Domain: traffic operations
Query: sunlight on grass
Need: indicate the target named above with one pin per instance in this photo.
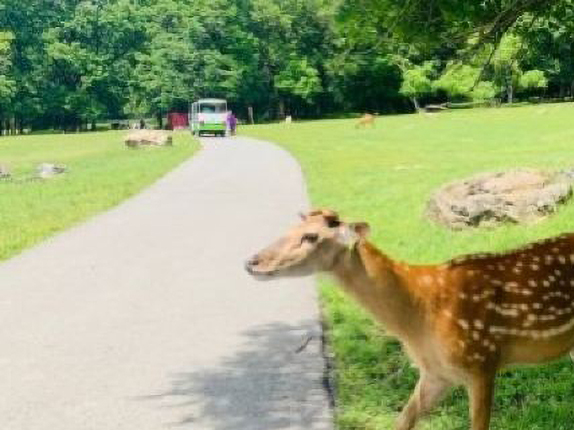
(102, 173)
(385, 176)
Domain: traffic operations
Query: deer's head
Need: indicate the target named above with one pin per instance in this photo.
(312, 246)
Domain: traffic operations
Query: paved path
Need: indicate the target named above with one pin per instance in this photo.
(143, 318)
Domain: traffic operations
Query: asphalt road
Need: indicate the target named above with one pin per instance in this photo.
(142, 318)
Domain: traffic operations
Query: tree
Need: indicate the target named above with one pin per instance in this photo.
(507, 70)
(299, 80)
(6, 80)
(435, 23)
(417, 82)
(483, 91)
(458, 81)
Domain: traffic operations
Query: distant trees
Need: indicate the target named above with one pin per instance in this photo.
(69, 63)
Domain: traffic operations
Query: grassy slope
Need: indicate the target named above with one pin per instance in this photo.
(384, 176)
(102, 173)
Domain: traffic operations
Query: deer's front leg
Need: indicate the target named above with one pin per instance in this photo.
(481, 392)
(572, 355)
(428, 392)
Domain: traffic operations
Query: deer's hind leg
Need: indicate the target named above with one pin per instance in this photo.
(572, 354)
(428, 392)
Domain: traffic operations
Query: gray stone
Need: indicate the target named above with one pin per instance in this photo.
(491, 199)
(4, 172)
(139, 138)
(49, 170)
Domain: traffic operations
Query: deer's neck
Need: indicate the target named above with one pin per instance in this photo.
(377, 283)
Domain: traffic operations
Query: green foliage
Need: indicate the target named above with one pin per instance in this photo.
(484, 91)
(458, 81)
(300, 79)
(385, 176)
(69, 63)
(433, 24)
(417, 80)
(6, 83)
(533, 79)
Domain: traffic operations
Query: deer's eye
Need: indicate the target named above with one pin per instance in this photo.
(334, 223)
(310, 237)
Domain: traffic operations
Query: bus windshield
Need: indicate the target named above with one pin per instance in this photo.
(212, 108)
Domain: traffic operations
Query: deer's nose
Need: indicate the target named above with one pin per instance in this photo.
(251, 263)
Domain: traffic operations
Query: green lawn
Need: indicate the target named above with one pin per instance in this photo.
(384, 176)
(102, 173)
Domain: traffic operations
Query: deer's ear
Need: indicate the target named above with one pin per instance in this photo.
(361, 229)
(350, 234)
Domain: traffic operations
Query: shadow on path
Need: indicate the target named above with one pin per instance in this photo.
(275, 381)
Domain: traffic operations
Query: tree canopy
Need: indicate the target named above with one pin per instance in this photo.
(69, 63)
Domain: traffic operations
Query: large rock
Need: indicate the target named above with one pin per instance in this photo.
(4, 172)
(48, 170)
(139, 138)
(490, 199)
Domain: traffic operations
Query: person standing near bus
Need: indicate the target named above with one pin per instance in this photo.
(231, 123)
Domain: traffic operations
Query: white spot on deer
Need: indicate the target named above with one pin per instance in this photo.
(463, 324)
(527, 292)
(535, 267)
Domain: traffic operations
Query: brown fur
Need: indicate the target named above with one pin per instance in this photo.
(460, 321)
(366, 119)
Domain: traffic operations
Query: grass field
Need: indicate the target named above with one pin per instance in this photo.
(384, 176)
(102, 173)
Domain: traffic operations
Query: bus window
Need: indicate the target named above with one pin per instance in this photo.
(212, 108)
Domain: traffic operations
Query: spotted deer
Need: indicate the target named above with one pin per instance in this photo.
(367, 119)
(459, 322)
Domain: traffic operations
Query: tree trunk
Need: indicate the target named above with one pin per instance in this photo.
(281, 109)
(416, 103)
(510, 93)
(250, 114)
(159, 120)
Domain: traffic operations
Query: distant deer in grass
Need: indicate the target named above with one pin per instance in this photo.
(366, 119)
(460, 321)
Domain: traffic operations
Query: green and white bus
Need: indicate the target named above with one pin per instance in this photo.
(208, 116)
